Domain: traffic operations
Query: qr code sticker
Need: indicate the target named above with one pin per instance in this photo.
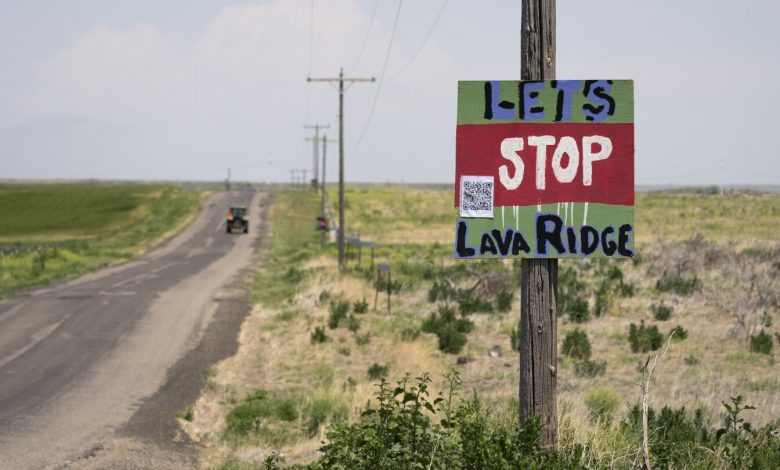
(476, 196)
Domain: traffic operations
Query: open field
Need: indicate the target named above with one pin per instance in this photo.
(708, 267)
(49, 231)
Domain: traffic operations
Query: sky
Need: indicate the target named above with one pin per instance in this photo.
(161, 89)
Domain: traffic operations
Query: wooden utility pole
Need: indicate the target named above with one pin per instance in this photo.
(324, 163)
(539, 277)
(316, 147)
(341, 79)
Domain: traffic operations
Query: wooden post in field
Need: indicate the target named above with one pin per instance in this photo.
(539, 277)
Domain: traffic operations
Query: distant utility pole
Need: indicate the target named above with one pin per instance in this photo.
(324, 163)
(227, 181)
(539, 277)
(341, 79)
(316, 145)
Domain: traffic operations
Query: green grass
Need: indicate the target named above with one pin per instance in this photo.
(280, 417)
(293, 241)
(52, 231)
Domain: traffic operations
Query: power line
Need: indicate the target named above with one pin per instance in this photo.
(427, 36)
(381, 77)
(311, 35)
(365, 39)
(311, 57)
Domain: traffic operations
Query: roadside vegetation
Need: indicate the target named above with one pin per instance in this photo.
(51, 231)
(433, 383)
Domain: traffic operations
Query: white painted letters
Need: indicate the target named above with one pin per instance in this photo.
(588, 156)
(566, 146)
(509, 149)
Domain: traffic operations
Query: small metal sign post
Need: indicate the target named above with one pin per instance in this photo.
(383, 268)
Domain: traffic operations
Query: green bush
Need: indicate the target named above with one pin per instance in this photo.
(761, 343)
(360, 306)
(407, 429)
(614, 274)
(362, 340)
(576, 345)
(578, 311)
(243, 419)
(602, 403)
(378, 371)
(680, 333)
(318, 335)
(468, 304)
(677, 439)
(504, 301)
(603, 300)
(451, 331)
(644, 338)
(677, 284)
(626, 289)
(570, 289)
(353, 323)
(590, 368)
(442, 291)
(690, 360)
(338, 312)
(661, 312)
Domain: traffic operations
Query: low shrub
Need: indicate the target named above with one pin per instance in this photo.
(504, 301)
(318, 335)
(679, 333)
(570, 289)
(362, 340)
(468, 304)
(338, 312)
(661, 312)
(353, 323)
(761, 343)
(677, 438)
(603, 300)
(409, 429)
(690, 360)
(677, 284)
(244, 418)
(442, 291)
(590, 368)
(626, 289)
(576, 345)
(360, 306)
(578, 311)
(378, 371)
(644, 338)
(450, 330)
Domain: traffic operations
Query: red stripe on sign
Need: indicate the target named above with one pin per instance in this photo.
(576, 162)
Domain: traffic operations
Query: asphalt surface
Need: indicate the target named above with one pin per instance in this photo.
(92, 370)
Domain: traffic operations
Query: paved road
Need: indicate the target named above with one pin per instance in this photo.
(77, 359)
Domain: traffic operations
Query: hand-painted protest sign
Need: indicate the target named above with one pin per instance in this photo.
(545, 169)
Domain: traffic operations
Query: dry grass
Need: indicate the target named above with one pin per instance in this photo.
(276, 352)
